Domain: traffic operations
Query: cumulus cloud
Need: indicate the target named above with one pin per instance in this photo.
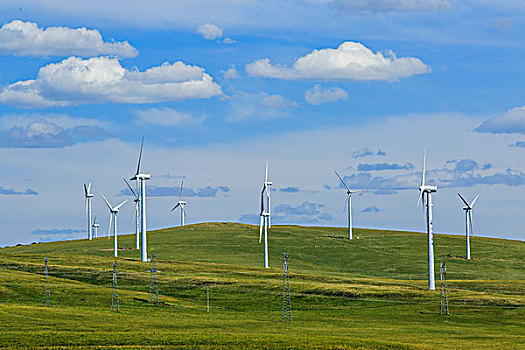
(319, 95)
(167, 117)
(260, 105)
(384, 166)
(366, 152)
(372, 209)
(518, 144)
(304, 213)
(349, 62)
(231, 73)
(454, 173)
(289, 189)
(510, 122)
(41, 133)
(229, 41)
(174, 191)
(27, 39)
(76, 81)
(57, 234)
(209, 31)
(390, 5)
(11, 192)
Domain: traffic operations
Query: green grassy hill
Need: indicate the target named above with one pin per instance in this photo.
(369, 293)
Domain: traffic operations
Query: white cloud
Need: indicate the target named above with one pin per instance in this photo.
(260, 105)
(167, 117)
(231, 73)
(512, 121)
(229, 41)
(391, 5)
(75, 81)
(350, 61)
(277, 101)
(27, 39)
(319, 95)
(209, 31)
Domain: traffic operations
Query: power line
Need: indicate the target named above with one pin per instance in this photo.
(153, 287)
(46, 295)
(287, 302)
(114, 292)
(443, 299)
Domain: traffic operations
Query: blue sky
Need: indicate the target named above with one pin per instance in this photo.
(216, 87)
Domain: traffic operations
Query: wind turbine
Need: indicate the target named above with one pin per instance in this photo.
(136, 215)
(141, 184)
(265, 215)
(181, 204)
(468, 221)
(349, 204)
(95, 227)
(113, 212)
(88, 195)
(426, 195)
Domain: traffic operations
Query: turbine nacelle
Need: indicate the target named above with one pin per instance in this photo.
(426, 188)
(141, 177)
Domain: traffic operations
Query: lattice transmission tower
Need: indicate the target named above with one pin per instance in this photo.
(115, 305)
(46, 295)
(443, 299)
(153, 287)
(287, 302)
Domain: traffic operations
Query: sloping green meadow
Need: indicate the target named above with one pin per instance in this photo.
(369, 293)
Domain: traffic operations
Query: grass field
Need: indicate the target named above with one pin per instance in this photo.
(369, 293)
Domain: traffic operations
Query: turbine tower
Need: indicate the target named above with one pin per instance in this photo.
(468, 221)
(136, 215)
(95, 227)
(181, 204)
(349, 204)
(265, 215)
(88, 195)
(141, 181)
(113, 212)
(426, 195)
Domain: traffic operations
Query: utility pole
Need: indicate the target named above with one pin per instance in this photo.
(114, 292)
(443, 299)
(287, 302)
(46, 296)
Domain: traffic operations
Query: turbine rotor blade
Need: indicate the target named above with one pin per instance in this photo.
(424, 164)
(121, 204)
(105, 200)
(175, 207)
(344, 183)
(89, 188)
(110, 222)
(180, 194)
(464, 201)
(261, 229)
(183, 211)
(85, 190)
(474, 201)
(131, 189)
(140, 155)
(266, 176)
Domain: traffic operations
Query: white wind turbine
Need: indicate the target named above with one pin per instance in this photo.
(265, 215)
(113, 212)
(89, 196)
(141, 181)
(426, 195)
(136, 216)
(181, 204)
(468, 220)
(95, 227)
(349, 204)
